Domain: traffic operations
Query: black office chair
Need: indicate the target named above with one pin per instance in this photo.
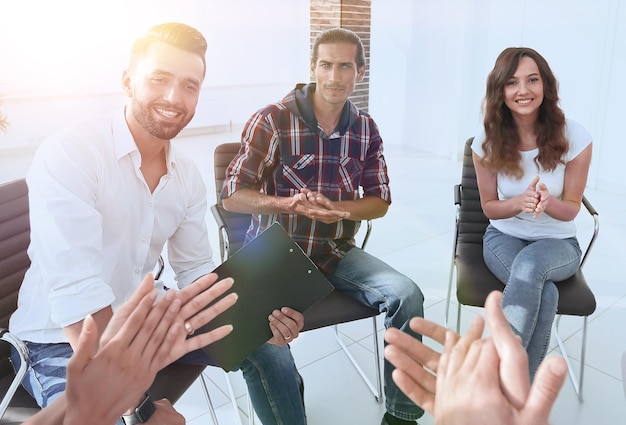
(474, 281)
(17, 405)
(333, 310)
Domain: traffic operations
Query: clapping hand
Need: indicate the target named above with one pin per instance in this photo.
(474, 379)
(105, 378)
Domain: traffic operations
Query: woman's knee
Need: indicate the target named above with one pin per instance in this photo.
(550, 296)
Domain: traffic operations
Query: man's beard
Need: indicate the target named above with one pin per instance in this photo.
(160, 130)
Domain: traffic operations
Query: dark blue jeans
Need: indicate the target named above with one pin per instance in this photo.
(374, 283)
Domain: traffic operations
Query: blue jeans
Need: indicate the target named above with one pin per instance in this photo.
(374, 283)
(529, 270)
(275, 387)
(45, 378)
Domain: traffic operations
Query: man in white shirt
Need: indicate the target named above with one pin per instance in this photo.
(105, 196)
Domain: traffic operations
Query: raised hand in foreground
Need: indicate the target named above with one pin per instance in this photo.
(106, 378)
(474, 380)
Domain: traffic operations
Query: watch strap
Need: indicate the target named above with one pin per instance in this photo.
(142, 413)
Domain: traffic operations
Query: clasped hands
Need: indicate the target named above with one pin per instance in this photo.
(474, 379)
(536, 198)
(317, 207)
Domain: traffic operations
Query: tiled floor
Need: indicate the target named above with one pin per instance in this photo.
(416, 238)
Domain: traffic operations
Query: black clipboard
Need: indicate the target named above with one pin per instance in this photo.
(270, 272)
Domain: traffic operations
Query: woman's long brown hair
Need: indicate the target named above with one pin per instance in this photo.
(501, 144)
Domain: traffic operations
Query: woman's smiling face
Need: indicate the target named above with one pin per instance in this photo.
(523, 92)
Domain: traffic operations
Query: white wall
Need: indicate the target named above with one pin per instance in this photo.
(429, 63)
(430, 60)
(63, 59)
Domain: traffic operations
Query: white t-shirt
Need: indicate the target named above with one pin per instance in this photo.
(524, 225)
(97, 230)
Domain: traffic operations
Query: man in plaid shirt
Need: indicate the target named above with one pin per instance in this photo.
(303, 162)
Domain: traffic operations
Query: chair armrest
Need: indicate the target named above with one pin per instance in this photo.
(596, 228)
(457, 194)
(216, 210)
(367, 234)
(588, 206)
(19, 345)
(160, 268)
(217, 215)
(232, 228)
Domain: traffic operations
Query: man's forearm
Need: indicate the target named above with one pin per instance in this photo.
(102, 317)
(367, 208)
(253, 202)
(250, 201)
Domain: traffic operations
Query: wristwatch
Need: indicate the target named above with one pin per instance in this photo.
(142, 412)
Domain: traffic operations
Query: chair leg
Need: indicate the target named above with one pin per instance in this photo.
(379, 383)
(458, 319)
(447, 313)
(449, 296)
(452, 262)
(21, 373)
(208, 399)
(233, 401)
(577, 383)
(250, 411)
(231, 394)
(583, 351)
(376, 390)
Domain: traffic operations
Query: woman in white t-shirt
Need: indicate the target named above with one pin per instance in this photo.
(531, 165)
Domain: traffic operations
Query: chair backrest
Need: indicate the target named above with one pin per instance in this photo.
(222, 156)
(14, 261)
(474, 280)
(472, 220)
(235, 224)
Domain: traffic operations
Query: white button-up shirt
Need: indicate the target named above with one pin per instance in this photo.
(97, 230)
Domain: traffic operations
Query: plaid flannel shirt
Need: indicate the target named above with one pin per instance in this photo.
(284, 150)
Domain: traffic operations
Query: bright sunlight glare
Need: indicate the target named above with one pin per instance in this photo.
(57, 46)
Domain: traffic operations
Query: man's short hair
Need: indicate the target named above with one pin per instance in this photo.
(175, 34)
(339, 35)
